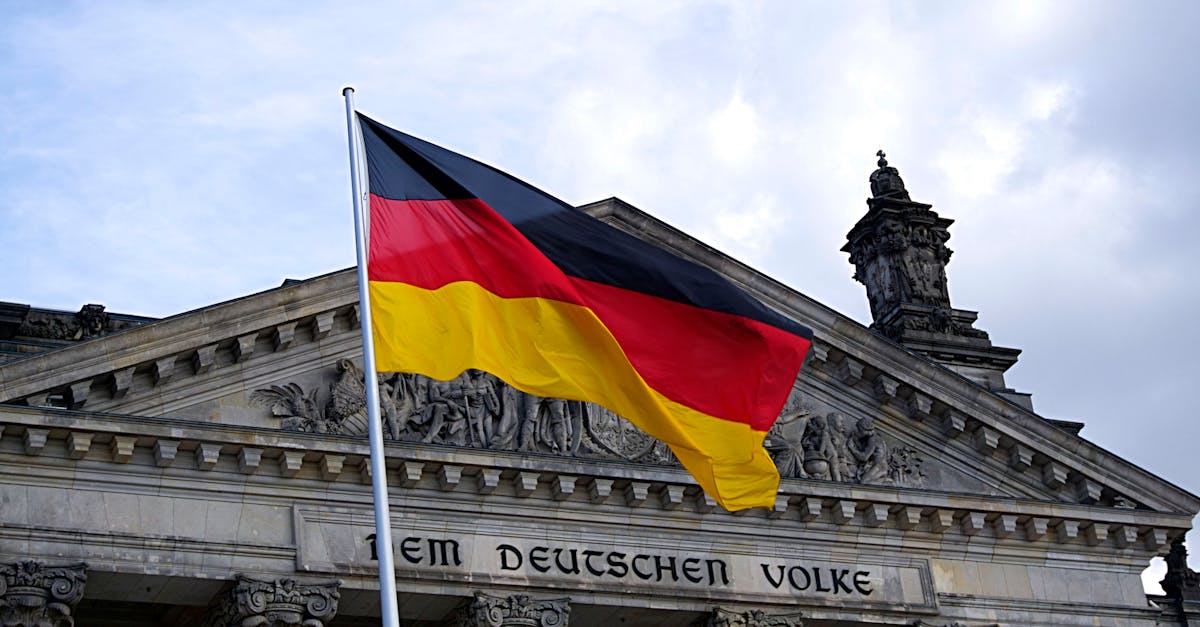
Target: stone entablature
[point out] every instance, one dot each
(228, 452)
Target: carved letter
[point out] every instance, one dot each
(807, 578)
(412, 554)
(437, 551)
(508, 549)
(838, 583)
(770, 579)
(637, 571)
(669, 567)
(538, 558)
(862, 582)
(817, 576)
(587, 561)
(712, 574)
(616, 565)
(692, 565)
(574, 568)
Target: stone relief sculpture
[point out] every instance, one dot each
(343, 412)
(90, 321)
(806, 445)
(477, 410)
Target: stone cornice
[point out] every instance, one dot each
(265, 318)
(664, 496)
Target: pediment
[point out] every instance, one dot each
(864, 411)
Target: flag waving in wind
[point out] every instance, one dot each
(471, 268)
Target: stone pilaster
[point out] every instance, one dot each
(519, 610)
(35, 595)
(722, 617)
(281, 602)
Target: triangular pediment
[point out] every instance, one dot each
(865, 410)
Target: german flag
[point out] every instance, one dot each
(469, 267)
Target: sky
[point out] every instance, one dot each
(158, 157)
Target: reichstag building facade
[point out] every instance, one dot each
(210, 469)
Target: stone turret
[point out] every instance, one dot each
(899, 253)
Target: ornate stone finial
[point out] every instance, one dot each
(519, 610)
(886, 181)
(32, 593)
(281, 602)
(722, 617)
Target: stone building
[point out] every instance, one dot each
(210, 469)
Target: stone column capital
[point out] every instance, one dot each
(282, 602)
(518, 610)
(722, 617)
(33, 594)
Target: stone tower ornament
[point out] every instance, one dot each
(886, 180)
(899, 254)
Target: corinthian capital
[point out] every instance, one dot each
(35, 595)
(721, 617)
(281, 602)
(518, 610)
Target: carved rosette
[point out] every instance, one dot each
(35, 595)
(519, 610)
(722, 617)
(281, 602)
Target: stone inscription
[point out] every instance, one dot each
(582, 561)
(800, 578)
(613, 561)
(616, 564)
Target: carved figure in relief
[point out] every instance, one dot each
(482, 406)
(820, 458)
(444, 411)
(837, 434)
(556, 425)
(347, 400)
(92, 321)
(869, 452)
(504, 434)
(784, 442)
(299, 409)
(388, 405)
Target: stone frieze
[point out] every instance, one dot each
(477, 410)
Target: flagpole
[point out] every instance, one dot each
(383, 523)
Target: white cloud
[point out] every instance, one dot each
(734, 131)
